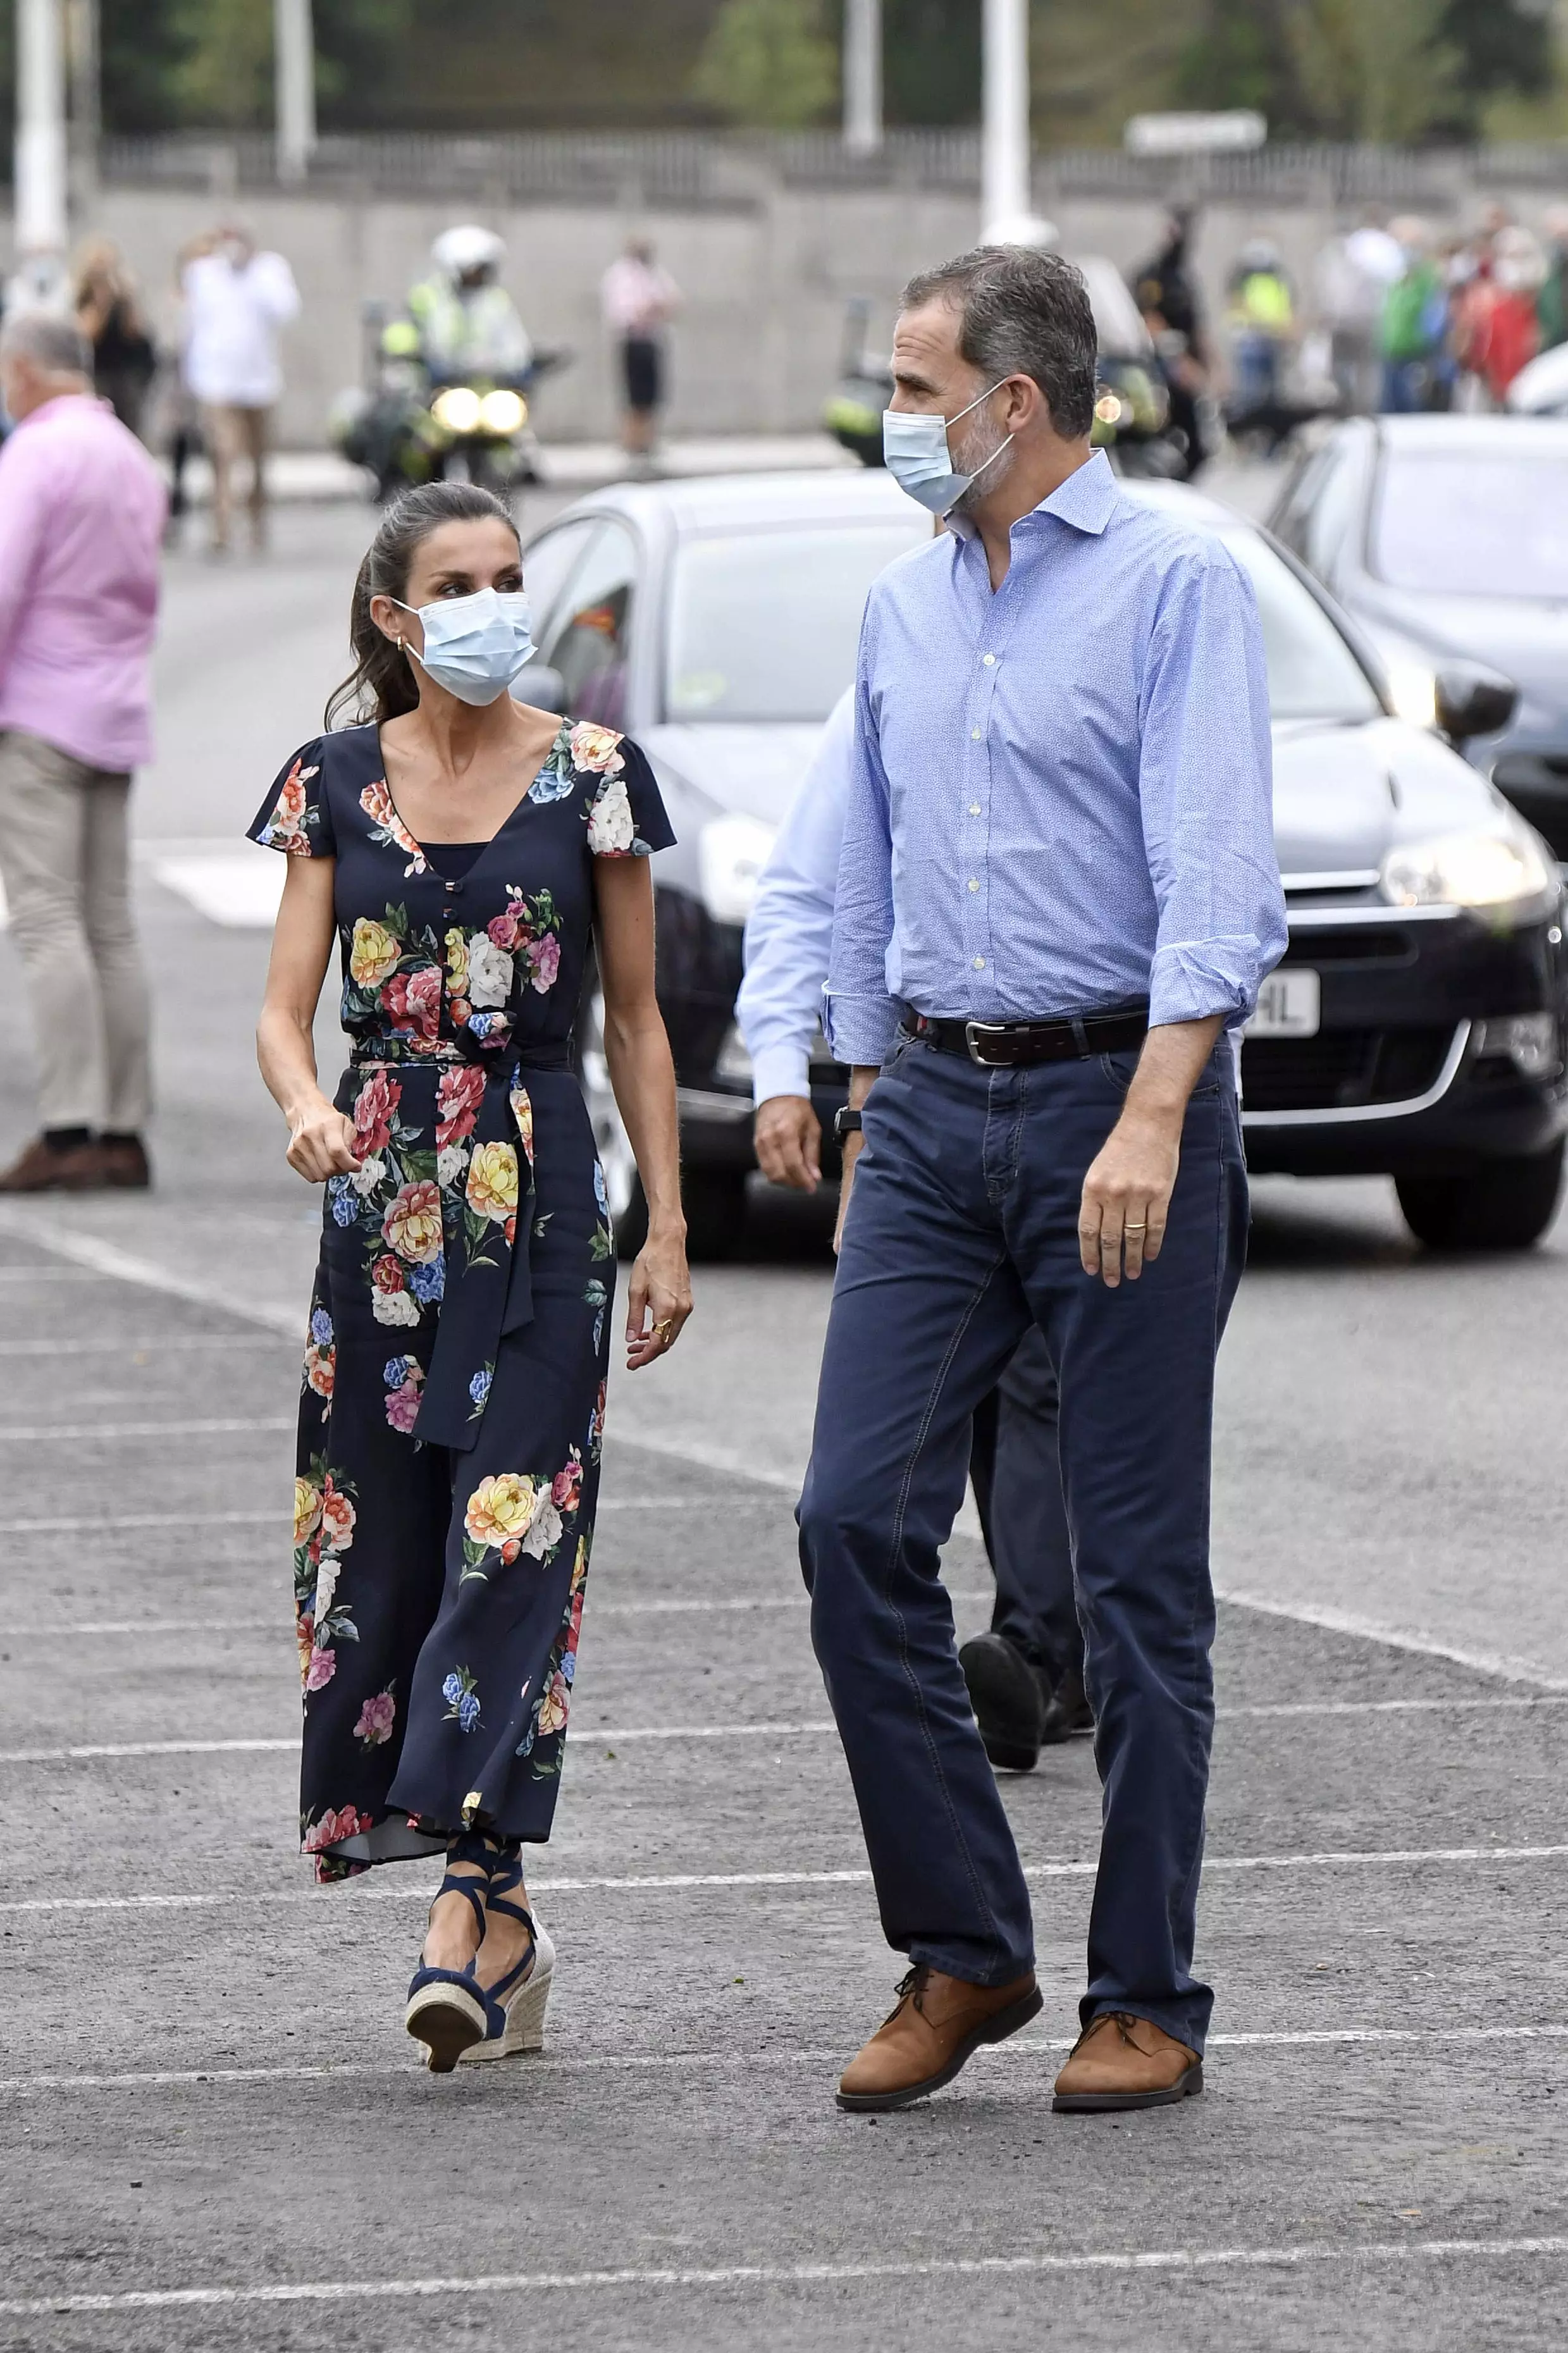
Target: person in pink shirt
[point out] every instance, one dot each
(81, 517)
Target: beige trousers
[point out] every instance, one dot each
(232, 433)
(64, 856)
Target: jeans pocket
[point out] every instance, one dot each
(1118, 1069)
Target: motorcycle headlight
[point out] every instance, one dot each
(1465, 870)
(731, 852)
(503, 412)
(458, 409)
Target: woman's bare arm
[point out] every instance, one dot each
(320, 1140)
(642, 1076)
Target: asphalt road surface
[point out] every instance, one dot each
(213, 2129)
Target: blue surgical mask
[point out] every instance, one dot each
(475, 646)
(919, 454)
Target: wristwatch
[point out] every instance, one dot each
(846, 1122)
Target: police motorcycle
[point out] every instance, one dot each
(1131, 401)
(448, 381)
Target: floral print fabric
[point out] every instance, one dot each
(451, 1404)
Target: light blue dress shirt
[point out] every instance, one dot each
(790, 929)
(1060, 797)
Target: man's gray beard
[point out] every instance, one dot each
(979, 442)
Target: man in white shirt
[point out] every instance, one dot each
(1026, 1674)
(237, 300)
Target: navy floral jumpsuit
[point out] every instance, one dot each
(453, 1397)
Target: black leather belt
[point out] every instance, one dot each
(1011, 1045)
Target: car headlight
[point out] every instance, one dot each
(457, 408)
(1465, 870)
(503, 412)
(731, 852)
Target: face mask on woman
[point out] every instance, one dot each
(474, 645)
(919, 454)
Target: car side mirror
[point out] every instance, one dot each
(1471, 700)
(539, 684)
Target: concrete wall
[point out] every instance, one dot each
(765, 280)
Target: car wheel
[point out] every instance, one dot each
(623, 1186)
(1506, 1205)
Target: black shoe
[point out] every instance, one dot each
(1067, 1712)
(1005, 1697)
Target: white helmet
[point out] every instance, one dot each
(459, 253)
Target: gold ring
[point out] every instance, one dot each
(1136, 1229)
(662, 1331)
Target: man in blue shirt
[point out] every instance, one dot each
(1024, 1676)
(1058, 890)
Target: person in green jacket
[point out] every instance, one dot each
(1414, 323)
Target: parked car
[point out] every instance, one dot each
(1416, 1027)
(1447, 537)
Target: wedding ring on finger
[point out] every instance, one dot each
(665, 1330)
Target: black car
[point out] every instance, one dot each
(1415, 1026)
(1447, 537)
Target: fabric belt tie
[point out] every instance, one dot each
(488, 1289)
(1015, 1045)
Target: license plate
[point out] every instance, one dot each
(1288, 1005)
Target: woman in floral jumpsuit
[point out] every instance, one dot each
(463, 852)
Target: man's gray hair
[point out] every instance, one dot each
(1022, 312)
(53, 343)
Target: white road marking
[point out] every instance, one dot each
(665, 1883)
(165, 1519)
(95, 1256)
(1401, 1638)
(1148, 2259)
(48, 1432)
(277, 1518)
(240, 888)
(1019, 2046)
(233, 1341)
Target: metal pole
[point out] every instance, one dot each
(85, 108)
(41, 222)
(294, 60)
(1005, 131)
(863, 76)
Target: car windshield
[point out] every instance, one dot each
(764, 626)
(1472, 523)
(1312, 673)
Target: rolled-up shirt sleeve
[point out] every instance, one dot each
(860, 1018)
(1206, 789)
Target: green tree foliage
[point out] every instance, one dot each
(1375, 69)
(771, 63)
(1095, 62)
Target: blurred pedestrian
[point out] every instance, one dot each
(1057, 889)
(1496, 328)
(1167, 295)
(180, 420)
(1262, 320)
(453, 1403)
(1552, 302)
(236, 301)
(109, 313)
(82, 510)
(1026, 1675)
(1354, 273)
(639, 300)
(1413, 329)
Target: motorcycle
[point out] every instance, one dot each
(407, 426)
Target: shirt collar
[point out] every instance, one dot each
(55, 407)
(1087, 500)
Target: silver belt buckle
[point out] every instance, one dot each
(973, 1033)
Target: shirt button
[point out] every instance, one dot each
(979, 963)
(976, 734)
(974, 808)
(972, 883)
(990, 660)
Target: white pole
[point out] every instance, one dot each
(294, 61)
(40, 167)
(863, 76)
(1005, 133)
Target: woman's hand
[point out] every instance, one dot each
(320, 1141)
(660, 1299)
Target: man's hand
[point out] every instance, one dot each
(788, 1137)
(1126, 1192)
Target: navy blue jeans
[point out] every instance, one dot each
(962, 1227)
(1015, 1462)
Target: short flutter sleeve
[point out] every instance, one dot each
(295, 817)
(626, 815)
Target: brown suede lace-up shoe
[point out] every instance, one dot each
(1122, 2061)
(940, 2021)
(45, 1168)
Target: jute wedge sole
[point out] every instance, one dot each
(446, 2021)
(996, 2029)
(1186, 2086)
(524, 2030)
